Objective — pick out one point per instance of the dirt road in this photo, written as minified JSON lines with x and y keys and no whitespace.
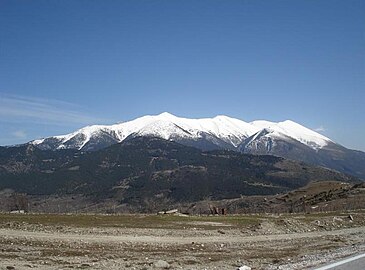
{"x":171,"y":239}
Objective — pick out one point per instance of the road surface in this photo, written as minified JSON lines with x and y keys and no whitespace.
{"x":352,"y":263}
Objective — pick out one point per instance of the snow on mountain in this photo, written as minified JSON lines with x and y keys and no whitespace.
{"x":293,"y":130}
{"x":228,"y":130}
{"x":164,"y":129}
{"x":223,"y":127}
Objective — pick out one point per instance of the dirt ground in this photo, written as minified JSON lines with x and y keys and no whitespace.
{"x":49,"y":241}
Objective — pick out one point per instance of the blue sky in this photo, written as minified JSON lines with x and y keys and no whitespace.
{"x":67,"y":64}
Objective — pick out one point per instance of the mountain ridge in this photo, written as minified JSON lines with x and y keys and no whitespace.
{"x":166,"y":125}
{"x":286,"y":139}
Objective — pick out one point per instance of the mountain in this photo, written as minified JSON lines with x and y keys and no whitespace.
{"x":143,"y":170}
{"x":285,"y":139}
{"x":215,"y":133}
{"x":220,"y":132}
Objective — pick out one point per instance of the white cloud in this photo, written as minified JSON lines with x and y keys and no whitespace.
{"x":19,"y":134}
{"x":320,"y":129}
{"x":15,"y":109}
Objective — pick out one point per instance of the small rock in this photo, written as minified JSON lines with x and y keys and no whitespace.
{"x":337,"y":219}
{"x":10,"y":267}
{"x":162,"y":264}
{"x":351,"y":217}
{"x":221,"y":232}
{"x":244,"y":267}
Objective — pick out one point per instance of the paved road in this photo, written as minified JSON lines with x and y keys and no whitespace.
{"x":352,"y":263}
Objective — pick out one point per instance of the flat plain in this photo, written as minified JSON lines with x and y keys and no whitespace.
{"x":95,"y":241}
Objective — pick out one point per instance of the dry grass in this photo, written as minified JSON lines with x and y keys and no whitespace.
{"x":132,"y":221}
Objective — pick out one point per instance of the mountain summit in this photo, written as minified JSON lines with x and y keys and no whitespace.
{"x":221,"y":131}
{"x":285,"y":139}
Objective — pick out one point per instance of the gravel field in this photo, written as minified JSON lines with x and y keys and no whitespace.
{"x":45,"y":241}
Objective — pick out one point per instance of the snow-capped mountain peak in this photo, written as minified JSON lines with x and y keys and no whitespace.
{"x":167,"y":115}
{"x":221,"y":131}
{"x":296,"y":131}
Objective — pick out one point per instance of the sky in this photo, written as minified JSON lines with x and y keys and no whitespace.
{"x":66,"y":64}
